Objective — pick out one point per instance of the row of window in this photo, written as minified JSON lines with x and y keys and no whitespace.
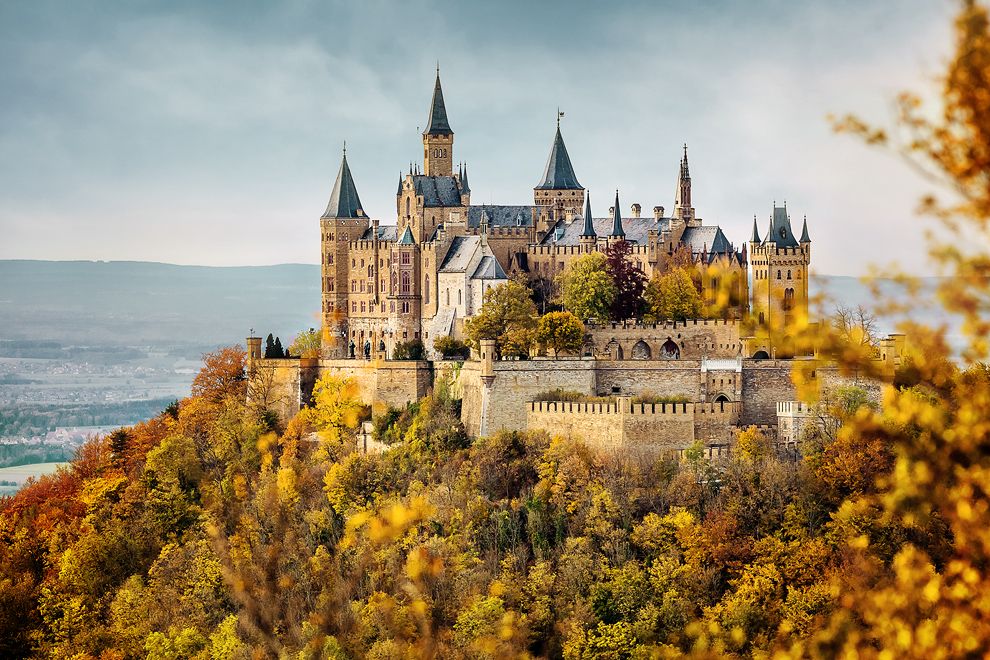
{"x":764,"y":274}
{"x":370,"y":307}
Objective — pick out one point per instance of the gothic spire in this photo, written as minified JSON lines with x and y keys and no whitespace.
{"x":804,"y":231}
{"x":344,"y":200}
{"x":617,"y":231}
{"x":682,"y":196}
{"x":464,"y":181}
{"x":589,"y":225}
{"x":559,"y":173}
{"x":436,"y":123}
{"x":756,"y":234}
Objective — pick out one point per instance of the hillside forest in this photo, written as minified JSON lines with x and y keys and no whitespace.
{"x":215,"y":530}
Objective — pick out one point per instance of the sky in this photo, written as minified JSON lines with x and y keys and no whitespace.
{"x":211,"y":133}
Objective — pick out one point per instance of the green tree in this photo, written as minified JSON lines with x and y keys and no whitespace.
{"x":586,"y":289}
{"x":560,"y":331}
{"x":306,"y":344}
{"x":507,"y":315}
{"x":673,"y":296}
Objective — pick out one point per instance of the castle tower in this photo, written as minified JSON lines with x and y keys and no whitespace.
{"x":558,"y":195}
{"x":404,"y":301}
{"x":343,"y":220}
{"x":438,"y":139}
{"x":588,"y":236}
{"x":779,"y":266}
{"x":682,"y":197}
{"x":617,"y":233}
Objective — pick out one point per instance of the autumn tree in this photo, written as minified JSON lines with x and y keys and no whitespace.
{"x":673,"y":296}
{"x":586,"y":288}
{"x":560,"y":331}
{"x":222,"y":375}
{"x":508,"y":316}
{"x":628,"y":279}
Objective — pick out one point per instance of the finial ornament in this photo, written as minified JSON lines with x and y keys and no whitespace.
{"x":345,"y":147}
{"x":559,"y":115}
{"x":438,"y":68}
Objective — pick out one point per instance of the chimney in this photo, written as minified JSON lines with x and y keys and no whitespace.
{"x":657,"y":212}
{"x":637,"y":210}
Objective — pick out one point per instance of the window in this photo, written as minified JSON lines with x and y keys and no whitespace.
{"x":330,"y":259}
{"x":788,"y":274}
{"x":353,"y":286}
{"x":788,"y":299}
{"x":405,"y":310}
{"x":405,"y":259}
{"x":353,"y":306}
{"x":426,"y":290}
{"x":447,"y":293}
{"x":405,"y":283}
{"x":458,"y":296}
{"x":407,"y":207}
{"x":391,"y":306}
{"x":371,"y":270}
{"x":362,"y":307}
{"x":778,"y":274}
{"x":353,"y":262}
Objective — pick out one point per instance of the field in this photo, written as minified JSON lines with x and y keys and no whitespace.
{"x":12,"y":478}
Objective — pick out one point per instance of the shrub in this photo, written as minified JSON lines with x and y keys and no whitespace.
{"x":409,"y":350}
{"x":450,"y":347}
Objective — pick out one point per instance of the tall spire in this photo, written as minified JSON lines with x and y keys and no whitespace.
{"x":400,"y":185}
{"x":617,"y":231}
{"x":682,"y":196}
{"x":559,"y":173}
{"x":589,"y":225}
{"x":756,"y":234}
{"x":804,"y":231}
{"x":464,"y":181}
{"x":344,"y":200}
{"x":436,"y":123}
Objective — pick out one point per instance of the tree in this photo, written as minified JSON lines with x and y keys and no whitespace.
{"x":508,"y":316}
{"x":306,"y":344}
{"x":856,"y":326}
{"x":629,"y":281}
{"x":673,"y":296}
{"x":560,"y":331}
{"x":586,"y":289}
{"x":408,"y":350}
{"x":270,"y":347}
{"x":222,"y":375}
{"x":450,"y":347}
{"x":336,"y":407}
{"x":278,"y":351}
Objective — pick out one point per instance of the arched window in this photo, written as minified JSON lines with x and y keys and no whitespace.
{"x":761,"y":318}
{"x":458,"y":296}
{"x":405,"y":283}
{"x":407,"y":207}
{"x":761,"y":355}
{"x":426,"y":293}
{"x":670,"y":350}
{"x":788,"y":273}
{"x":778,"y":274}
{"x":641,"y":351}
{"x":447,"y":294}
{"x":788,"y":299}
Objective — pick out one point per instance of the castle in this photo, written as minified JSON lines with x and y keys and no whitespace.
{"x":420,"y":278}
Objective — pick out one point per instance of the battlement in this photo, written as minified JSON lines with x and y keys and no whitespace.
{"x":555,"y":249}
{"x":793,"y":408}
{"x":625,"y":406}
{"x":660,"y":325}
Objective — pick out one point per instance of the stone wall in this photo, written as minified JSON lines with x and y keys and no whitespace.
{"x":662,"y":377}
{"x":764,"y":383}
{"x":637,"y":428}
{"x":694,"y":339}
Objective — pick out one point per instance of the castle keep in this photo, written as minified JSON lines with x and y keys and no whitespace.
{"x":421,"y":277}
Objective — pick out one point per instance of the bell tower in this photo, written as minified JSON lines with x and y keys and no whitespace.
{"x":779,"y":264}
{"x":438,"y":139}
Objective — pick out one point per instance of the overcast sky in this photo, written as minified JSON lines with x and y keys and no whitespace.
{"x":210,"y":133}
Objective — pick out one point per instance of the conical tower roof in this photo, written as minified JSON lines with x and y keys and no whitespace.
{"x":804,"y":231}
{"x":617,"y":230}
{"x":756,"y":233}
{"x":436,"y":123}
{"x":344,"y":200}
{"x":559,"y":173}
{"x":589,"y":225}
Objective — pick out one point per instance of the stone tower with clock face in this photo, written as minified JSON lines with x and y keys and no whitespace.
{"x":779,"y":269}
{"x":438,"y":139}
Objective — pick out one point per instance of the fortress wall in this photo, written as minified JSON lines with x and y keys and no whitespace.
{"x":393,"y":383}
{"x":469,"y":385}
{"x":764,"y":383}
{"x":696,"y":338}
{"x":663,"y":377}
{"x":597,"y":424}
{"x":276,"y":383}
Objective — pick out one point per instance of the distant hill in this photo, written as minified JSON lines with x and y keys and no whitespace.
{"x":141,"y":303}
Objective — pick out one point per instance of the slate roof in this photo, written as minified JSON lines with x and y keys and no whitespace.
{"x":437,"y":191}
{"x":385,"y":233}
{"x":617,"y":218}
{"x":501,"y":215}
{"x":489,"y":269}
{"x":708,"y":239}
{"x":755,"y":238}
{"x":407,"y":237}
{"x":344,"y":200}
{"x":804,"y":232}
{"x":436,"y":123}
{"x":559,"y":173}
{"x":589,"y":226}
{"x":780,"y":229}
{"x":569,"y":233}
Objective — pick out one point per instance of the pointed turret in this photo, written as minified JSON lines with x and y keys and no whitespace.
{"x":464,"y":182}
{"x":559,"y":173}
{"x":436,"y":123}
{"x":804,"y":231}
{"x":400,"y":185}
{"x":589,"y":225}
{"x":344,"y":200}
{"x":780,"y":228}
{"x":407,"y":237}
{"x":617,"y":231}
{"x":682,"y":196}
{"x":756,"y":234}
